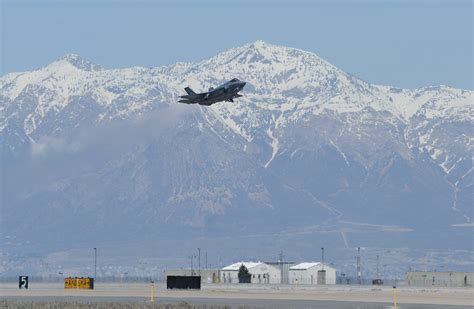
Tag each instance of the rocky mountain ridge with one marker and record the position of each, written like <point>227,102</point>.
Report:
<point>309,150</point>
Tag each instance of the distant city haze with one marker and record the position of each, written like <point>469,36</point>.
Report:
<point>400,43</point>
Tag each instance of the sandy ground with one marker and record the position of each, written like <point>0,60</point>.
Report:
<point>405,295</point>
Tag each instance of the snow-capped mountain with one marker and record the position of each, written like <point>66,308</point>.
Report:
<point>309,150</point>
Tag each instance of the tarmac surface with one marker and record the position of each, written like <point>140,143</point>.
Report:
<point>238,303</point>
<point>258,296</point>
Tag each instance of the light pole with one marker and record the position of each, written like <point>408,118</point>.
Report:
<point>192,260</point>
<point>378,273</point>
<point>359,275</point>
<point>199,261</point>
<point>322,258</point>
<point>95,263</point>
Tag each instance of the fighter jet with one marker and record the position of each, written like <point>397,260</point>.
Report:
<point>225,92</point>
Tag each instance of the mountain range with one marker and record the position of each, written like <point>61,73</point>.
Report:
<point>310,157</point>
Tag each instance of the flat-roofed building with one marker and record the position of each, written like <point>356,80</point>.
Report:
<point>440,278</point>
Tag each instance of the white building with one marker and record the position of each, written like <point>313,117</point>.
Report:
<point>260,273</point>
<point>308,273</point>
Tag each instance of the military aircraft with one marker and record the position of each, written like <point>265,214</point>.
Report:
<point>225,92</point>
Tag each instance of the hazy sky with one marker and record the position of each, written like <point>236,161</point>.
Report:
<point>400,43</point>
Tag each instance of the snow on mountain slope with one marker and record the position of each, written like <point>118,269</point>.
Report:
<point>282,80</point>
<point>285,86</point>
<point>308,149</point>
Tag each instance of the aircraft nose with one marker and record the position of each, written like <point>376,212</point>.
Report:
<point>242,84</point>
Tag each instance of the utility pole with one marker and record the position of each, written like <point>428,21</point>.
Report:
<point>206,261</point>
<point>322,259</point>
<point>192,270</point>
<point>378,273</point>
<point>358,266</point>
<point>199,261</point>
<point>95,263</point>
<point>283,275</point>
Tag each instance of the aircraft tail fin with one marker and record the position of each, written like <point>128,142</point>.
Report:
<point>189,91</point>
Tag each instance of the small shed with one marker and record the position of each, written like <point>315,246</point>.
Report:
<point>312,273</point>
<point>261,273</point>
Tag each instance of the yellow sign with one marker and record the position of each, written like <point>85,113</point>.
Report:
<point>78,283</point>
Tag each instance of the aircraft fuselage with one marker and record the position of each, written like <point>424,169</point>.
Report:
<point>225,92</point>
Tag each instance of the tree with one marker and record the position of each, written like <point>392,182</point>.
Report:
<point>244,275</point>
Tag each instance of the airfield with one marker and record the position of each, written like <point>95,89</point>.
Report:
<point>236,296</point>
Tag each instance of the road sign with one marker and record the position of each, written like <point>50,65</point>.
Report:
<point>79,283</point>
<point>183,282</point>
<point>23,282</point>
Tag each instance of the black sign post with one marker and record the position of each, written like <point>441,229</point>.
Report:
<point>23,282</point>
<point>183,282</point>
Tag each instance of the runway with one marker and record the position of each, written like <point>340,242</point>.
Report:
<point>253,296</point>
<point>238,303</point>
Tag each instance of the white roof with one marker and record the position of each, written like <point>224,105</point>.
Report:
<point>236,266</point>
<point>308,265</point>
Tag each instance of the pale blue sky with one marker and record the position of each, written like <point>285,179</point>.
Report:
<point>401,43</point>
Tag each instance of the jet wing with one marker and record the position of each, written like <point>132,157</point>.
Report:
<point>196,96</point>
<point>188,101</point>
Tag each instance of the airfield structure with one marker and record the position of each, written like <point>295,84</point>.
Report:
<point>440,278</point>
<point>261,273</point>
<point>207,275</point>
<point>312,273</point>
